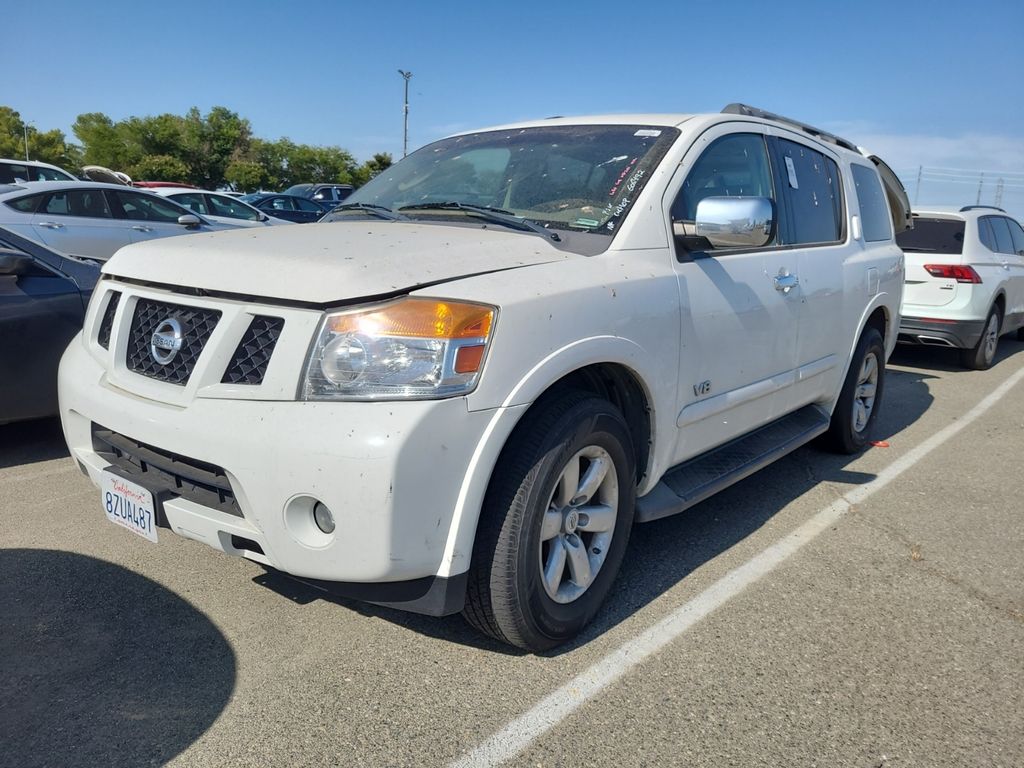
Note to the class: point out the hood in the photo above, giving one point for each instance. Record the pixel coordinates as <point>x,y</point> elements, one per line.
<point>332,262</point>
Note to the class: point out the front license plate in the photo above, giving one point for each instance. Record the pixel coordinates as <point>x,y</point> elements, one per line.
<point>128,504</point>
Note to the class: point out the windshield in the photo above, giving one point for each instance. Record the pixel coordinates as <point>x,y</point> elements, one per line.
<point>581,177</point>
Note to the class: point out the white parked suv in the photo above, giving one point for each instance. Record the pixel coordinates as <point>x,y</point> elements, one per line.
<point>965,281</point>
<point>461,392</point>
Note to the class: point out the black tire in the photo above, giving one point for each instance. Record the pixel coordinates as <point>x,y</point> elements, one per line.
<point>1020,334</point>
<point>506,597</point>
<point>981,356</point>
<point>842,435</point>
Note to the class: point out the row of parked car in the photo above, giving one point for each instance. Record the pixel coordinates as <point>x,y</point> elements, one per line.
<point>462,390</point>
<point>93,219</point>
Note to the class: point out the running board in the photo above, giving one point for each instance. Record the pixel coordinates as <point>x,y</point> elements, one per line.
<point>695,480</point>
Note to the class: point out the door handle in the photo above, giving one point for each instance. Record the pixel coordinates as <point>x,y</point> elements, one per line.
<point>51,224</point>
<point>785,282</point>
<point>140,228</point>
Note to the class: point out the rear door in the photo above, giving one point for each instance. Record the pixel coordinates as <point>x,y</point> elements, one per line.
<point>79,221</point>
<point>812,226</point>
<point>1015,267</point>
<point>309,210</point>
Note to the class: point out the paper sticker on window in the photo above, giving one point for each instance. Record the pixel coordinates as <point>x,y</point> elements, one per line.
<point>648,133</point>
<point>791,169</point>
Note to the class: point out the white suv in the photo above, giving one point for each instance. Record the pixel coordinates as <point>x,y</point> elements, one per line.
<point>462,391</point>
<point>965,281</point>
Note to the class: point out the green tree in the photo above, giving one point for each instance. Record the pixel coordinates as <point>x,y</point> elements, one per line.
<point>46,146</point>
<point>209,143</point>
<point>246,175</point>
<point>159,168</point>
<point>102,143</point>
<point>373,166</point>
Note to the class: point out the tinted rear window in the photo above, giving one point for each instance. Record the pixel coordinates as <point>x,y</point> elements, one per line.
<point>874,211</point>
<point>933,236</point>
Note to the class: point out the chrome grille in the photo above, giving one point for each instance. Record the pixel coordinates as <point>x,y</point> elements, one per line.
<point>196,326</point>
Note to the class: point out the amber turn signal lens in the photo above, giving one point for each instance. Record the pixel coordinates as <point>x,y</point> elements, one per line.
<point>468,359</point>
<point>420,318</point>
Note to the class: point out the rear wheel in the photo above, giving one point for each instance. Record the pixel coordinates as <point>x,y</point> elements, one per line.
<point>981,356</point>
<point>855,413</point>
<point>555,523</point>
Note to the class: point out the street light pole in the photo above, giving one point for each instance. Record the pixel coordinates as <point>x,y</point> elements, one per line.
<point>24,127</point>
<point>405,132</point>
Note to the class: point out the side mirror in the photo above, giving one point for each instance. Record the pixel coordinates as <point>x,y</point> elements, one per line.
<point>15,264</point>
<point>736,222</point>
<point>189,220</point>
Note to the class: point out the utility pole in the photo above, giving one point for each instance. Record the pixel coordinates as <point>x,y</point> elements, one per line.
<point>405,132</point>
<point>917,190</point>
<point>999,193</point>
<point>981,180</point>
<point>24,127</point>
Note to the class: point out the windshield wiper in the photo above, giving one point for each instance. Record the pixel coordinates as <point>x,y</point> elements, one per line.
<point>497,215</point>
<point>380,211</point>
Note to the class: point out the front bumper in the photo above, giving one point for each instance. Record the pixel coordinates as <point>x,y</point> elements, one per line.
<point>391,473</point>
<point>963,334</point>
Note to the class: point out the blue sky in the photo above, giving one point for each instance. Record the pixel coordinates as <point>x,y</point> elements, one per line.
<point>937,84</point>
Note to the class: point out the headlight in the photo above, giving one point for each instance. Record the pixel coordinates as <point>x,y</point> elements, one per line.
<point>411,348</point>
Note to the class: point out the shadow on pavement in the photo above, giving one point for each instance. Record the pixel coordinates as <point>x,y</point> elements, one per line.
<point>663,553</point>
<point>101,666</point>
<point>947,359</point>
<point>28,442</point>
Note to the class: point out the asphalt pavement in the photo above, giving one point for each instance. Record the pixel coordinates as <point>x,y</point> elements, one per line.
<point>892,635</point>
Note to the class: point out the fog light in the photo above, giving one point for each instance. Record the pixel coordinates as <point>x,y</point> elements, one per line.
<point>323,517</point>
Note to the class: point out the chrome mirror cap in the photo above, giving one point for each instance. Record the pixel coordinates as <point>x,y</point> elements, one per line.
<point>736,222</point>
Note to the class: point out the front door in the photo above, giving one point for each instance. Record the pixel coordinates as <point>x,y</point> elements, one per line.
<point>740,307</point>
<point>79,222</point>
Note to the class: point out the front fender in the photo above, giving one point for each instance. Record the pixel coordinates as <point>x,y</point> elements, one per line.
<point>523,393</point>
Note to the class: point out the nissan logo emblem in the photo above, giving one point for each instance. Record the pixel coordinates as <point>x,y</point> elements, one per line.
<point>166,341</point>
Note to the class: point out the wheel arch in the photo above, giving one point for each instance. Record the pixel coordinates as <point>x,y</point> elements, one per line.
<point>611,368</point>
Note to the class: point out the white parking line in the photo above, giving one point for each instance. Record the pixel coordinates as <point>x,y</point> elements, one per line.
<point>554,708</point>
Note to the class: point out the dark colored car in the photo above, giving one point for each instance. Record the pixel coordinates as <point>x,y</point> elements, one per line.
<point>291,207</point>
<point>43,296</point>
<point>328,195</point>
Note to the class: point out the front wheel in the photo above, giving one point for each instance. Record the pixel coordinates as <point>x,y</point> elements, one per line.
<point>555,523</point>
<point>857,409</point>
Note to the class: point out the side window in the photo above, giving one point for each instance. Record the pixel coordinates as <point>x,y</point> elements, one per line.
<point>40,173</point>
<point>225,206</point>
<point>1004,242</point>
<point>305,205</point>
<point>874,211</point>
<point>813,194</point>
<point>1017,233</point>
<point>145,208</point>
<point>281,204</point>
<point>193,202</point>
<point>733,166</point>
<point>56,203</point>
<point>985,234</point>
<point>26,204</point>
<point>13,174</point>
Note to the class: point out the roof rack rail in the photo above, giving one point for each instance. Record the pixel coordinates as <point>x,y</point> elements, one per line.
<point>744,109</point>
<point>973,207</point>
